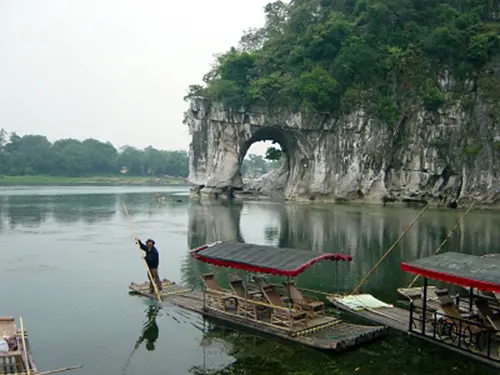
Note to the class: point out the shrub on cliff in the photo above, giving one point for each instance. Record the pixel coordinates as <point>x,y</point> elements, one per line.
<point>390,56</point>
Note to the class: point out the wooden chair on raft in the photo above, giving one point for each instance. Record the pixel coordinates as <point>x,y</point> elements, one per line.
<point>468,326</point>
<point>240,289</point>
<point>215,293</point>
<point>488,316</point>
<point>493,298</point>
<point>281,313</point>
<point>12,361</point>
<point>312,305</point>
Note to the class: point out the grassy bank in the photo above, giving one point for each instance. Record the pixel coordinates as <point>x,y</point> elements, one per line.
<point>96,180</point>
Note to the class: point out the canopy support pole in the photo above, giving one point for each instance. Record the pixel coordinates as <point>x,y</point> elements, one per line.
<point>204,298</point>
<point>424,306</point>
<point>246,296</point>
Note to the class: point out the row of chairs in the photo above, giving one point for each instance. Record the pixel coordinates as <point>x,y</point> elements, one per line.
<point>471,326</point>
<point>485,313</point>
<point>260,297</point>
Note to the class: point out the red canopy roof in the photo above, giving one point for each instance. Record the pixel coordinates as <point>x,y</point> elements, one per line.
<point>261,259</point>
<point>469,271</point>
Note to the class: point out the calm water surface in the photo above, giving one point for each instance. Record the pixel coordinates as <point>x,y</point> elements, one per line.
<point>67,257</point>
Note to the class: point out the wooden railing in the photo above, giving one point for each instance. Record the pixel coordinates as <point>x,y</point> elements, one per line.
<point>288,322</point>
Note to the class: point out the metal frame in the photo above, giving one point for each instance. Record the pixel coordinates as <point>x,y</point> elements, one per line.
<point>472,337</point>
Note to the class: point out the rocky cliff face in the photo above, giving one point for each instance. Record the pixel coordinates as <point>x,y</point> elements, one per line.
<point>447,158</point>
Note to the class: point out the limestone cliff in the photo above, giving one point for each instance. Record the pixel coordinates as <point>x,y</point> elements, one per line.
<point>450,157</point>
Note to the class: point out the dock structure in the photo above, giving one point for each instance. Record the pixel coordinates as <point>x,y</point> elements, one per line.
<point>280,311</point>
<point>325,333</point>
<point>468,325</point>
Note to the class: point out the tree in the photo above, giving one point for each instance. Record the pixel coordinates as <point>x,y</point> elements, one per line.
<point>133,160</point>
<point>254,165</point>
<point>382,56</point>
<point>35,155</point>
<point>3,152</point>
<point>273,153</point>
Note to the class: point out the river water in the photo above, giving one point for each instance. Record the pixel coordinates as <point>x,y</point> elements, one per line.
<point>68,255</point>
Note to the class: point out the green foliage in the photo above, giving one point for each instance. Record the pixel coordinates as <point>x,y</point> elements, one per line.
<point>35,155</point>
<point>255,165</point>
<point>472,150</point>
<point>273,153</point>
<point>433,99</point>
<point>387,56</point>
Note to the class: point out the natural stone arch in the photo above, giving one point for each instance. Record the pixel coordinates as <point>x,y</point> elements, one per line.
<point>221,138</point>
<point>286,142</point>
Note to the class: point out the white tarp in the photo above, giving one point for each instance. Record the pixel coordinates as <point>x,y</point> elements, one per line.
<point>359,302</point>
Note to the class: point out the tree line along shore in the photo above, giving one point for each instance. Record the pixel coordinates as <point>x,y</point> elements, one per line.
<point>33,160</point>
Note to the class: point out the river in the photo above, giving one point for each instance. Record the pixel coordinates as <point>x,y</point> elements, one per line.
<point>68,255</point>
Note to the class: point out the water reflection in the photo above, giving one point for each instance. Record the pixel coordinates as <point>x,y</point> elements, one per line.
<point>88,208</point>
<point>149,333</point>
<point>364,232</point>
<point>150,330</point>
<point>211,221</point>
<point>30,211</point>
<point>399,355</point>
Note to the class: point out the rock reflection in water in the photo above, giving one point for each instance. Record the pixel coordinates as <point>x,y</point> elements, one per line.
<point>364,232</point>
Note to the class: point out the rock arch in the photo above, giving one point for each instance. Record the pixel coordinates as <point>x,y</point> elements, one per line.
<point>348,157</point>
<point>221,138</point>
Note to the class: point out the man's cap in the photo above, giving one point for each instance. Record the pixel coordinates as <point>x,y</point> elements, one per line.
<point>150,240</point>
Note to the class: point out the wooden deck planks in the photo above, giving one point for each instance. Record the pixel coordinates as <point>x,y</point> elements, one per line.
<point>326,333</point>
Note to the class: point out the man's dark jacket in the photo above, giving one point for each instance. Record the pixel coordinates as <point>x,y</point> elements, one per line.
<point>152,255</point>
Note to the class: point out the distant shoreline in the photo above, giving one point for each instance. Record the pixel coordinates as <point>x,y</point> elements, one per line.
<point>92,180</point>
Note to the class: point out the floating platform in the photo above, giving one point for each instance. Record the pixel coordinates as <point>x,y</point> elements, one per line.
<point>16,362</point>
<point>371,309</point>
<point>325,333</point>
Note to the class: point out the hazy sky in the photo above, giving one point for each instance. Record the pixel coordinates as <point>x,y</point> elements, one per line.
<point>112,70</point>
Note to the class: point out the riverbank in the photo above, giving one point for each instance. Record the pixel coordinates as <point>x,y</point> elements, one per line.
<point>94,180</point>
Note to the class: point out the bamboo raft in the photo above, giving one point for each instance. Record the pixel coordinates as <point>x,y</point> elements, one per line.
<point>326,333</point>
<point>19,361</point>
<point>471,328</point>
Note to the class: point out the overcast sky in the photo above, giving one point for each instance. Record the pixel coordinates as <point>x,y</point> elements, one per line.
<point>112,70</point>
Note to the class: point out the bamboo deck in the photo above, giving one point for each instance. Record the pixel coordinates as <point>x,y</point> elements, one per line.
<point>399,319</point>
<point>325,333</point>
<point>14,363</point>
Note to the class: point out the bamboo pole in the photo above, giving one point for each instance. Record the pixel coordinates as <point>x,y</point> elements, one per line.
<point>62,369</point>
<point>356,290</point>
<point>445,240</point>
<point>25,348</point>
<point>145,263</point>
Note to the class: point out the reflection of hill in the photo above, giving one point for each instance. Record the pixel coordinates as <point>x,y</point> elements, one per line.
<point>209,222</point>
<point>364,232</point>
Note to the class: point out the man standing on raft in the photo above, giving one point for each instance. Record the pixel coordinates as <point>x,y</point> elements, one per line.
<point>152,259</point>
